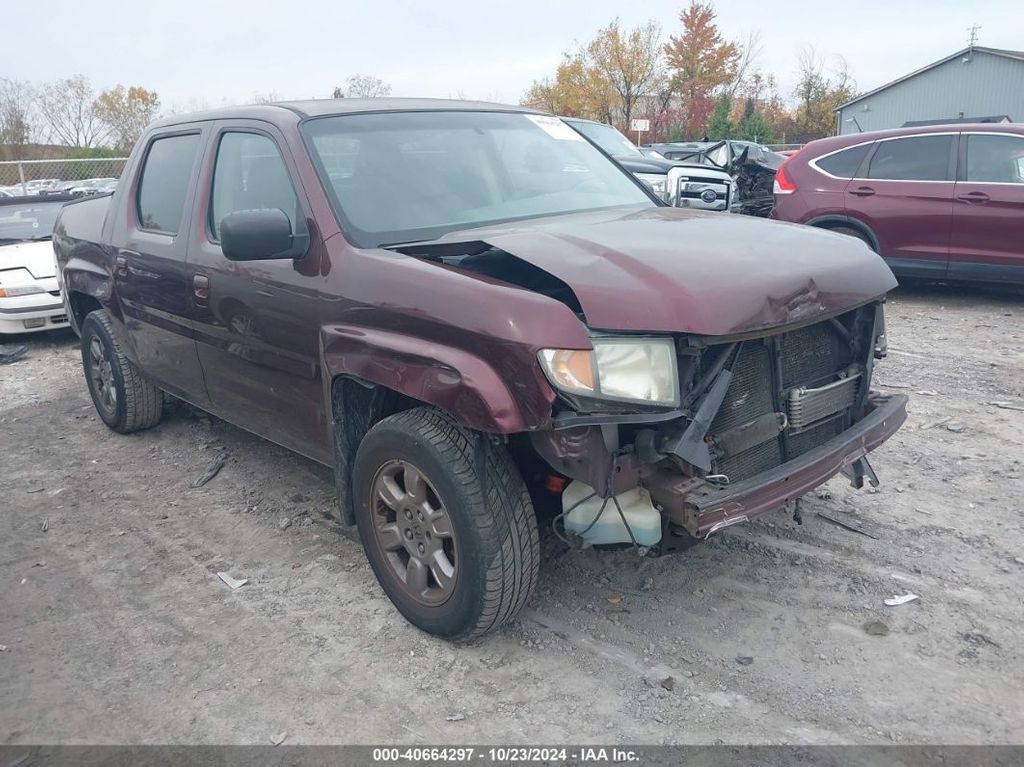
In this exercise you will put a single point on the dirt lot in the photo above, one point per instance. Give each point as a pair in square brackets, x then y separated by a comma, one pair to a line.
[117, 630]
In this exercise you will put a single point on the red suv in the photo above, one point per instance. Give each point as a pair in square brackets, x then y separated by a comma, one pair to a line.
[942, 202]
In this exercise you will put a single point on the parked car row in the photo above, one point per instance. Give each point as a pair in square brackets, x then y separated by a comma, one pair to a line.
[938, 202]
[49, 187]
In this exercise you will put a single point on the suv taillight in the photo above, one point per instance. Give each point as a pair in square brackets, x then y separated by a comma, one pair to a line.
[783, 184]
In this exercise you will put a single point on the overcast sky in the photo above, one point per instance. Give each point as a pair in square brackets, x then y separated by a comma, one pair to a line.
[224, 51]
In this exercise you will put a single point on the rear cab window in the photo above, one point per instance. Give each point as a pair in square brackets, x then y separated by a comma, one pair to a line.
[915, 158]
[165, 182]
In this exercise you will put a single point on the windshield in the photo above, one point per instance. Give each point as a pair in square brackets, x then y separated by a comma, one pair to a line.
[608, 138]
[27, 221]
[404, 177]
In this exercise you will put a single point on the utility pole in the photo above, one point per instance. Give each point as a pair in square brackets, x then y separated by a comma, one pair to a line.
[973, 29]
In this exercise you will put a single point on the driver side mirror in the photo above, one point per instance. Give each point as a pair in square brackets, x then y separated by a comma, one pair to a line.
[259, 235]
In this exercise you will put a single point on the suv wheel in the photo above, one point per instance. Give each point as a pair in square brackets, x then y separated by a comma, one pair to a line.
[446, 522]
[123, 398]
[851, 232]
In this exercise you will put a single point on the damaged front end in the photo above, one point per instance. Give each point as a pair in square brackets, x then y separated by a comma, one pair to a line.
[759, 421]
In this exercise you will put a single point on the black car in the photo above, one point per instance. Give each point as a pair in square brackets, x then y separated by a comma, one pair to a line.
[680, 184]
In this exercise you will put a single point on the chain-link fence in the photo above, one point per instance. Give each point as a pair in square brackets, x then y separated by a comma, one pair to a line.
[76, 177]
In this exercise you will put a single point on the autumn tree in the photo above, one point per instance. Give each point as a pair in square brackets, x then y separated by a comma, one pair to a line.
[69, 111]
[16, 113]
[702, 63]
[818, 93]
[126, 113]
[629, 60]
[362, 87]
[579, 89]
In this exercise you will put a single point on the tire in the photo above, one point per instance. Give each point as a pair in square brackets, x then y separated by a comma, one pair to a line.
[124, 400]
[851, 232]
[423, 461]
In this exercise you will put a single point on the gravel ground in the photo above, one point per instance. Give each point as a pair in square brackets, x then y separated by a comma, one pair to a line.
[114, 627]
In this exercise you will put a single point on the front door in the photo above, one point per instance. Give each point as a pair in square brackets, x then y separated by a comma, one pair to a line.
[906, 198]
[150, 275]
[257, 322]
[987, 242]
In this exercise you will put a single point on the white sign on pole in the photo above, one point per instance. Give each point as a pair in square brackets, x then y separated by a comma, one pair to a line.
[641, 126]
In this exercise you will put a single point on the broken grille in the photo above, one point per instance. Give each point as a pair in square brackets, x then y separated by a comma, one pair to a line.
[804, 377]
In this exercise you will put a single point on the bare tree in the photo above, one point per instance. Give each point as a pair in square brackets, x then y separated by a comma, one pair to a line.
[750, 54]
[17, 124]
[363, 87]
[264, 98]
[68, 108]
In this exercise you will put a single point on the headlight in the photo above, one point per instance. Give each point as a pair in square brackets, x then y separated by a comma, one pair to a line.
[20, 290]
[639, 370]
[656, 181]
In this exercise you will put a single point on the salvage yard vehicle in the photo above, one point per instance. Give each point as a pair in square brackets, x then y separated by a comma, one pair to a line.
[30, 300]
[684, 186]
[456, 305]
[943, 202]
[751, 166]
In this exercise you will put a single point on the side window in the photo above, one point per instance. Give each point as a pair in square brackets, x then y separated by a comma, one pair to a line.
[250, 174]
[844, 164]
[164, 183]
[919, 158]
[997, 159]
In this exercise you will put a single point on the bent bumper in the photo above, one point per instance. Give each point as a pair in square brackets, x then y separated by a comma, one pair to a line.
[706, 510]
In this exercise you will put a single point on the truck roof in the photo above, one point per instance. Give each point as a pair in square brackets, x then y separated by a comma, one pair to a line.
[283, 110]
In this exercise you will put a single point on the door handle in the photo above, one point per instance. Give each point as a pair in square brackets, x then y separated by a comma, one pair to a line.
[970, 197]
[201, 289]
[863, 191]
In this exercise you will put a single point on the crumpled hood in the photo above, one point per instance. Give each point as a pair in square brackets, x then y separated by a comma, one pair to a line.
[36, 257]
[668, 269]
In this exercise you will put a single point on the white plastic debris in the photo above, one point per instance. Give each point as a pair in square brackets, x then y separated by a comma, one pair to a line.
[230, 582]
[901, 599]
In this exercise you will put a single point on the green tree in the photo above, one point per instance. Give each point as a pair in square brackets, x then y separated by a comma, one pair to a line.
[719, 125]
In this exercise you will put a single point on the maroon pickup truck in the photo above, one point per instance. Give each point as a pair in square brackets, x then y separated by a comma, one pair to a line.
[466, 309]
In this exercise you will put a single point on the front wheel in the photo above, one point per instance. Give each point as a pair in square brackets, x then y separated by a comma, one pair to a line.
[446, 522]
[124, 400]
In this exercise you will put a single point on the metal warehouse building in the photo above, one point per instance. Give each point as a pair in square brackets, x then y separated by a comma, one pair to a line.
[973, 85]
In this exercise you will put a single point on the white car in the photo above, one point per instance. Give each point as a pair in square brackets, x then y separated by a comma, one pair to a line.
[30, 298]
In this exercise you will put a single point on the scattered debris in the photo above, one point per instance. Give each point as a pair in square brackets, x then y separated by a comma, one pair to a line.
[928, 392]
[35, 490]
[1008, 405]
[230, 582]
[668, 683]
[615, 601]
[40, 564]
[846, 525]
[1019, 560]
[278, 739]
[933, 424]
[45, 526]
[285, 523]
[876, 628]
[296, 565]
[977, 638]
[211, 471]
[744, 660]
[956, 427]
[901, 599]
[12, 355]
[3, 648]
[455, 717]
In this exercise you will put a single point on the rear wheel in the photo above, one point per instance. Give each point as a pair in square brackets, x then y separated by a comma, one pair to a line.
[124, 400]
[446, 522]
[851, 232]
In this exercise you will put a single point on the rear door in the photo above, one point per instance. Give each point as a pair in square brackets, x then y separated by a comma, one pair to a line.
[257, 322]
[150, 274]
[906, 198]
[987, 241]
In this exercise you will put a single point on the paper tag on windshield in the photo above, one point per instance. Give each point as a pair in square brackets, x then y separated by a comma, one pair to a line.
[554, 127]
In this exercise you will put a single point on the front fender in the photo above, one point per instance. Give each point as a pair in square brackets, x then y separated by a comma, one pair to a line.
[451, 379]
